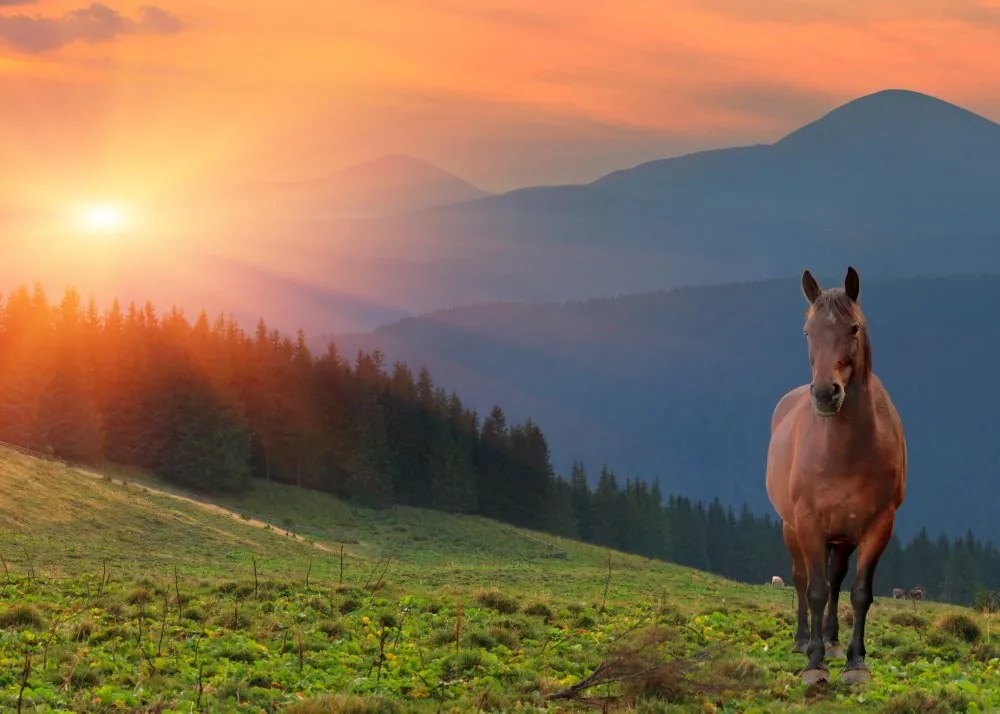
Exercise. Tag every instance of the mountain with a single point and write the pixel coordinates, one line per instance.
(385, 185)
(680, 385)
(898, 182)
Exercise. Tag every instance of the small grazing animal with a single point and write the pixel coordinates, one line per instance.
(836, 474)
(777, 581)
(898, 593)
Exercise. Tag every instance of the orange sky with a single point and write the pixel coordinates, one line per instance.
(143, 102)
(502, 93)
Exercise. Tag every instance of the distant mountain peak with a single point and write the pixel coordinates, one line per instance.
(888, 112)
(401, 172)
(395, 162)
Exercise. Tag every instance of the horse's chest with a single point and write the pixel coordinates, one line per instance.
(842, 501)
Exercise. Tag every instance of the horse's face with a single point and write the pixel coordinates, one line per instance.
(834, 333)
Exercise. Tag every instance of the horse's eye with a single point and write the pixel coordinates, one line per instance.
(855, 329)
(805, 333)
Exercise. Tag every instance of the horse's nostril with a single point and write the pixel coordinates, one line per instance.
(835, 389)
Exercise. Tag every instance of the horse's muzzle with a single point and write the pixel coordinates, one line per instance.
(827, 400)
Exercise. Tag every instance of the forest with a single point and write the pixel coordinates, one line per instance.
(204, 404)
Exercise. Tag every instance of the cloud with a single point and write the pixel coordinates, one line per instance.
(796, 12)
(96, 23)
(157, 21)
(12, 3)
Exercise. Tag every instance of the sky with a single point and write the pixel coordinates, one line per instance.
(155, 98)
(132, 108)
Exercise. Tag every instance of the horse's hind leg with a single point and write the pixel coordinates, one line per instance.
(799, 575)
(870, 549)
(839, 555)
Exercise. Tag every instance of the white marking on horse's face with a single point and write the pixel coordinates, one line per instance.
(831, 318)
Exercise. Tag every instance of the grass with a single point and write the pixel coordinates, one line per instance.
(468, 614)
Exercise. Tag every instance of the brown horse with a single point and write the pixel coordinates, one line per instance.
(836, 473)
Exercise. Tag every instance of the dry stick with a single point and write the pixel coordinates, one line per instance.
(607, 582)
(177, 589)
(31, 566)
(52, 632)
(341, 564)
(140, 619)
(458, 622)
(308, 571)
(372, 575)
(381, 652)
(256, 585)
(25, 673)
(301, 646)
(201, 685)
(201, 669)
(163, 624)
(379, 582)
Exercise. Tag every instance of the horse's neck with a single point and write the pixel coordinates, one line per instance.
(857, 416)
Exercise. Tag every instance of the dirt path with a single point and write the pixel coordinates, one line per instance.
(208, 506)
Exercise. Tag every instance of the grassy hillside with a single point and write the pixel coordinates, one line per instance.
(433, 612)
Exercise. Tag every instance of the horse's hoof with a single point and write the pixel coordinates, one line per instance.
(834, 650)
(856, 675)
(800, 646)
(815, 676)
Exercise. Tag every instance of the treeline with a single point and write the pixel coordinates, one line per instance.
(750, 548)
(209, 406)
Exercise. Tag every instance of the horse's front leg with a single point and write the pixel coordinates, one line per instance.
(839, 555)
(799, 576)
(870, 549)
(817, 591)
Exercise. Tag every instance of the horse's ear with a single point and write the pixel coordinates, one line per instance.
(810, 288)
(852, 284)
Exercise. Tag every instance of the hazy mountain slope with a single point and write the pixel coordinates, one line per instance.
(385, 185)
(680, 385)
(897, 182)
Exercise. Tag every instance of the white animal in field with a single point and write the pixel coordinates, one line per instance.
(777, 581)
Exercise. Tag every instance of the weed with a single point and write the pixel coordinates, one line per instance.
(21, 615)
(496, 600)
(961, 626)
(921, 702)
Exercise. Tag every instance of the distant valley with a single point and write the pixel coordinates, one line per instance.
(679, 385)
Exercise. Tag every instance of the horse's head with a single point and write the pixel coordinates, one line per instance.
(839, 351)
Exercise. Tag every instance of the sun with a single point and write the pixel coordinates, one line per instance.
(103, 219)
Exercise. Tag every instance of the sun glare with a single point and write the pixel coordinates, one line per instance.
(103, 219)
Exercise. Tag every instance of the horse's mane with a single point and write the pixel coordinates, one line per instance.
(836, 302)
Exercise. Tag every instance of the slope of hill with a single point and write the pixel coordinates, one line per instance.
(465, 614)
(680, 385)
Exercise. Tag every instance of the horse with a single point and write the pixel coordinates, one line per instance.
(836, 475)
(899, 594)
(777, 581)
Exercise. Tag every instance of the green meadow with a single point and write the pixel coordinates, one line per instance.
(117, 595)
